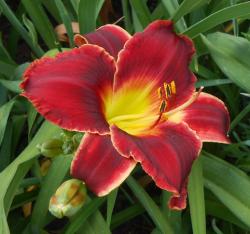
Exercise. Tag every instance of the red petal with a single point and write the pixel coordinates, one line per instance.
(99, 165)
(166, 154)
(155, 56)
(209, 117)
(68, 89)
(111, 37)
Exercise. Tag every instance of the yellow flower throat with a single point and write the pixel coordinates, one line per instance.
(136, 110)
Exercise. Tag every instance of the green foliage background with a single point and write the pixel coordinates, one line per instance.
(219, 185)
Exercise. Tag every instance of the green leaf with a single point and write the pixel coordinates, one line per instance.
(6, 147)
(31, 29)
(75, 5)
(52, 9)
(66, 21)
(87, 14)
(136, 23)
(19, 70)
(231, 54)
(6, 69)
(239, 10)
(159, 13)
(58, 170)
(32, 114)
(18, 124)
(12, 85)
(142, 11)
(218, 210)
(12, 176)
(19, 27)
(41, 21)
(4, 54)
(127, 15)
(83, 214)
(95, 224)
(209, 83)
(150, 206)
(126, 215)
(111, 198)
(229, 184)
(239, 117)
(196, 199)
(4, 115)
(173, 216)
(171, 6)
(186, 7)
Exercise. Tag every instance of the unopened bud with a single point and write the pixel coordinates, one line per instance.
(76, 139)
(51, 148)
(68, 199)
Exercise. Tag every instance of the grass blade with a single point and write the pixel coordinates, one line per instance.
(209, 83)
(4, 54)
(53, 179)
(127, 15)
(12, 176)
(95, 224)
(186, 7)
(171, 6)
(228, 13)
(229, 184)
(141, 11)
(126, 215)
(111, 198)
(6, 69)
(239, 117)
(66, 21)
(19, 27)
(87, 14)
(4, 115)
(83, 214)
(41, 21)
(150, 206)
(52, 9)
(12, 85)
(231, 54)
(196, 199)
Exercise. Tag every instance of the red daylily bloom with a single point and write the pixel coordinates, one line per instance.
(141, 108)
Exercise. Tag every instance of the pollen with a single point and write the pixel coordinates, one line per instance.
(165, 92)
(160, 92)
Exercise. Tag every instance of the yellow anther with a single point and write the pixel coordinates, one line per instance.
(173, 87)
(163, 106)
(160, 93)
(167, 90)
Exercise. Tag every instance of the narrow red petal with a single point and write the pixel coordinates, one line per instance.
(99, 165)
(178, 201)
(209, 117)
(155, 56)
(111, 37)
(68, 90)
(166, 154)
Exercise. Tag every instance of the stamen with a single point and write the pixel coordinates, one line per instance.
(160, 92)
(168, 90)
(163, 106)
(186, 104)
(173, 87)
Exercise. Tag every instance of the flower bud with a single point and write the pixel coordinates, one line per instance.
(76, 139)
(68, 199)
(51, 148)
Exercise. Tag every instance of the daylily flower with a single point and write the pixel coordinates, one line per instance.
(136, 101)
